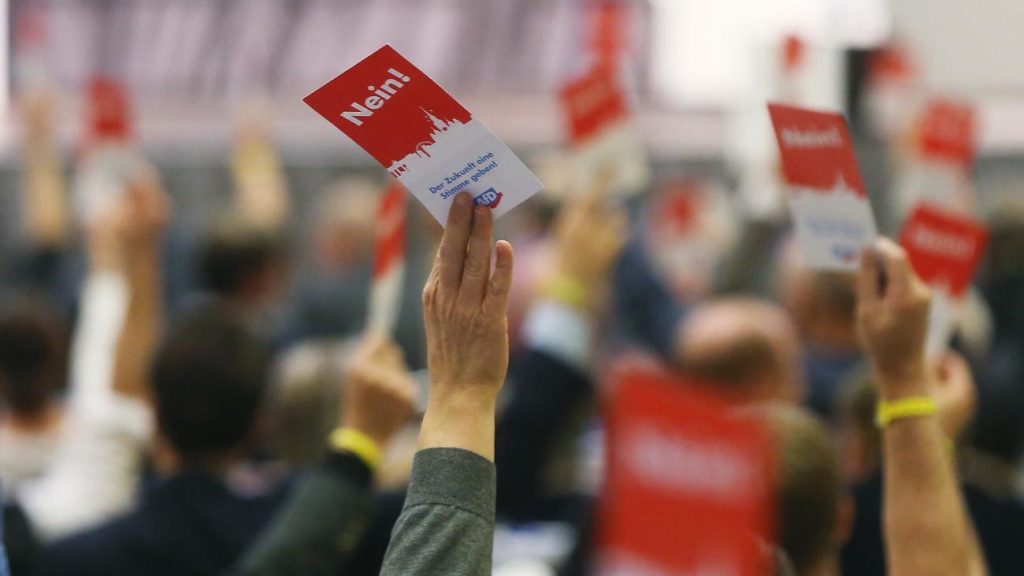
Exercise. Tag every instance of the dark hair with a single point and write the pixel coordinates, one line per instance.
(209, 377)
(810, 486)
(233, 254)
(32, 356)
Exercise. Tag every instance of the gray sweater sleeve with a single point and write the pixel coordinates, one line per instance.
(447, 524)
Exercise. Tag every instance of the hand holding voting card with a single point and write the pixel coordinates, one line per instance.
(602, 134)
(422, 135)
(827, 198)
(945, 249)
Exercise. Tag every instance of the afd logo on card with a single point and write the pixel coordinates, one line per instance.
(490, 198)
(845, 252)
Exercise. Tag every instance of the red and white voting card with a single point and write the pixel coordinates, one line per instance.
(109, 111)
(422, 135)
(827, 199)
(944, 145)
(108, 158)
(601, 132)
(947, 131)
(945, 249)
(389, 261)
(688, 486)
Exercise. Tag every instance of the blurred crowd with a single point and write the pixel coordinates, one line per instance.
(210, 404)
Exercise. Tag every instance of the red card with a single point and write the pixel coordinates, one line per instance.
(388, 106)
(608, 23)
(688, 486)
(423, 136)
(816, 149)
(948, 131)
(389, 262)
(794, 52)
(593, 103)
(945, 248)
(390, 230)
(109, 111)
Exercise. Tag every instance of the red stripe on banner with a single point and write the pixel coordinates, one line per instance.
(390, 230)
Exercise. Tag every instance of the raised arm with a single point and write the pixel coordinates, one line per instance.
(96, 469)
(926, 526)
(447, 525)
(43, 191)
(145, 214)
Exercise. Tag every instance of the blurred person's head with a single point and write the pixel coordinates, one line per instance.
(748, 348)
(813, 511)
(209, 379)
(343, 230)
(243, 264)
(822, 304)
(305, 400)
(32, 358)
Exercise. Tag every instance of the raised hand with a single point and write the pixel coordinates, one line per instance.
(380, 394)
(892, 317)
(464, 310)
(590, 235)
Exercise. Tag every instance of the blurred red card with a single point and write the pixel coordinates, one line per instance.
(948, 131)
(422, 135)
(828, 200)
(945, 248)
(593, 103)
(389, 261)
(109, 111)
(608, 22)
(688, 486)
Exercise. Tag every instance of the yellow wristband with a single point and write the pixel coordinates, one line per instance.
(913, 407)
(354, 441)
(567, 290)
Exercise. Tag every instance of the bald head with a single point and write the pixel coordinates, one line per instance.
(747, 347)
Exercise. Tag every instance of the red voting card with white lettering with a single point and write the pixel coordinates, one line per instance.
(948, 131)
(689, 485)
(945, 248)
(603, 137)
(827, 198)
(389, 261)
(422, 135)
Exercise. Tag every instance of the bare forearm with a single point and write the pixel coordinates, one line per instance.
(44, 193)
(143, 323)
(926, 525)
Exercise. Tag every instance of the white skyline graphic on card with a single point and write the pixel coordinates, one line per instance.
(446, 132)
(832, 225)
